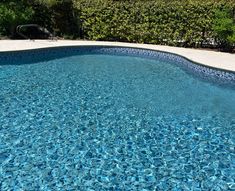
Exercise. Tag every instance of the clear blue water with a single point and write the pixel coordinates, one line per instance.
(102, 122)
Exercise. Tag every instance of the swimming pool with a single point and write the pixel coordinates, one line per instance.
(108, 118)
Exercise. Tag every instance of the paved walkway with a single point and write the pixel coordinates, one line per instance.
(225, 61)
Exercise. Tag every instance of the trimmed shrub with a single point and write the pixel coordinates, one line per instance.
(178, 23)
(187, 23)
(224, 28)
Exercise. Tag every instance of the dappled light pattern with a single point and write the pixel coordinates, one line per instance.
(103, 122)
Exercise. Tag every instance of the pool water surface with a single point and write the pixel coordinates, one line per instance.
(108, 122)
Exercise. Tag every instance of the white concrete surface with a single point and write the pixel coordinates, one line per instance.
(225, 61)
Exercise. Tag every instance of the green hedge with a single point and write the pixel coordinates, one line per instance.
(181, 23)
(224, 27)
(170, 22)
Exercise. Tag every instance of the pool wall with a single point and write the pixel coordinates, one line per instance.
(218, 76)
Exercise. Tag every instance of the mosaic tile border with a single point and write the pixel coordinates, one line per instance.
(44, 54)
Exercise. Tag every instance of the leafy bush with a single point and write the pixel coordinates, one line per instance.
(224, 28)
(58, 16)
(188, 23)
(11, 14)
(179, 23)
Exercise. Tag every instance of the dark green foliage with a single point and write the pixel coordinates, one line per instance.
(58, 16)
(224, 28)
(42, 14)
(13, 13)
(188, 23)
(65, 19)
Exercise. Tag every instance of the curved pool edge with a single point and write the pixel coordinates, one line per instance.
(211, 59)
(29, 56)
(77, 124)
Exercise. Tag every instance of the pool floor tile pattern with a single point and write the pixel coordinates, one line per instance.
(86, 123)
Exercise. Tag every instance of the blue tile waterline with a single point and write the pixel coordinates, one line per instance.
(195, 69)
(91, 120)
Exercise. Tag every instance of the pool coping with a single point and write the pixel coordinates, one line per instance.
(211, 59)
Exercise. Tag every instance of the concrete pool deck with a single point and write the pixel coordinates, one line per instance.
(224, 61)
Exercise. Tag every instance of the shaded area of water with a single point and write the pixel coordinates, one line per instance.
(101, 122)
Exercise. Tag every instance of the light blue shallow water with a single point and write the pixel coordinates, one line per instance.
(102, 122)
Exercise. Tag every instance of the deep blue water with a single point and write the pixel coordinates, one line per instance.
(102, 122)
